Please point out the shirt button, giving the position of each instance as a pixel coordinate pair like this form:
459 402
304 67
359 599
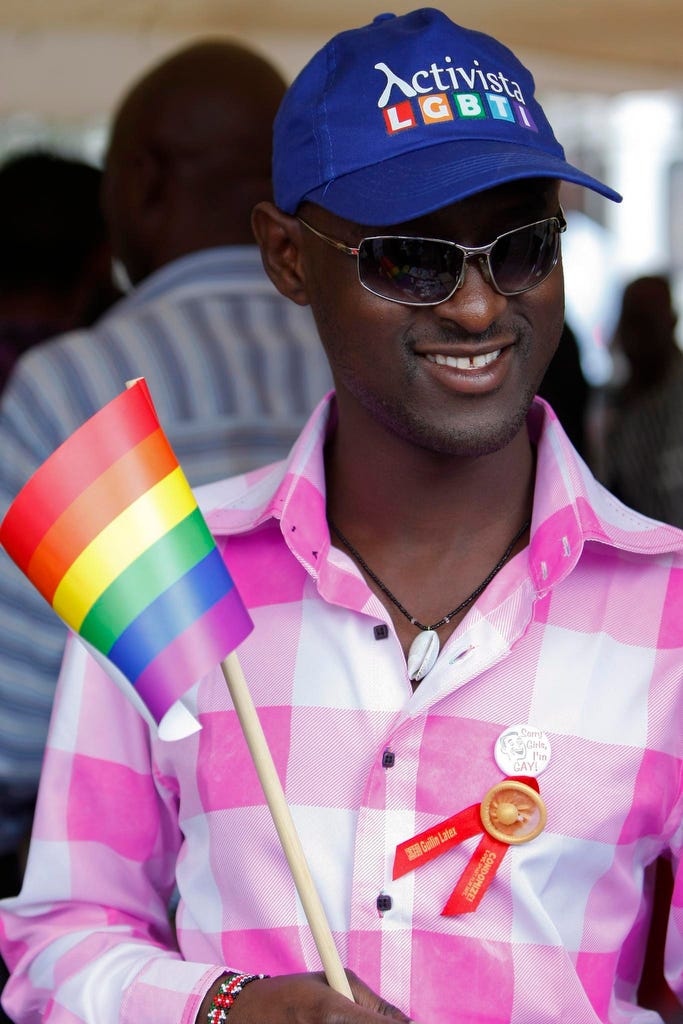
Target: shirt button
388 758
381 632
384 902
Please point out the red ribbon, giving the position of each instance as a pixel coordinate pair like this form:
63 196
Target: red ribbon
482 865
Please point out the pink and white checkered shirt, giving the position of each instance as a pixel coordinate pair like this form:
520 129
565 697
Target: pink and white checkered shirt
580 636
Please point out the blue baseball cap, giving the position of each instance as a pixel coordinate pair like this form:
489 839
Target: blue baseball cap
409 114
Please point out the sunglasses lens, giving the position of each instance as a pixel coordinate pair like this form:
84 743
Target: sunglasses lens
416 271
522 259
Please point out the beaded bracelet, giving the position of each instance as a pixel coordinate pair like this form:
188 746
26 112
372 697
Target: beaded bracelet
230 987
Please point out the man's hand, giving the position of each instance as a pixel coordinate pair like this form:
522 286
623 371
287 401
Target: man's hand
304 999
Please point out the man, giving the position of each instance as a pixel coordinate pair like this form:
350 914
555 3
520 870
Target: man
235 369
466 654
55 275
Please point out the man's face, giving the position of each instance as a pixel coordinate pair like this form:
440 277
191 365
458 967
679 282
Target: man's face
389 360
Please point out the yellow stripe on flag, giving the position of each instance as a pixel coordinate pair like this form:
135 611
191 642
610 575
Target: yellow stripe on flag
118 545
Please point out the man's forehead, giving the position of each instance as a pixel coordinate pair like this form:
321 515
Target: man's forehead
532 198
500 208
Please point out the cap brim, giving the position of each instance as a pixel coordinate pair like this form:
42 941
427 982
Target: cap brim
414 184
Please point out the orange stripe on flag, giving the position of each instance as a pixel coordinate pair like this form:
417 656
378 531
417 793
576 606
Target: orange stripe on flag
118 545
114 490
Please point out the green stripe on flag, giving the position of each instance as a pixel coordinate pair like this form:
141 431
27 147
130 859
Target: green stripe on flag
153 572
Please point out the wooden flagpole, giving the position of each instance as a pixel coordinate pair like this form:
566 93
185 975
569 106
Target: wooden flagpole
286 830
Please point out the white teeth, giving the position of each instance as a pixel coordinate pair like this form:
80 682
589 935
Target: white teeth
465 362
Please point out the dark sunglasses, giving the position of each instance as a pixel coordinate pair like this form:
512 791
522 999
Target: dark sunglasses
427 271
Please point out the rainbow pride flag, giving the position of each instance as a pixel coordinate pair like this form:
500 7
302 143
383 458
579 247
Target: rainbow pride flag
108 530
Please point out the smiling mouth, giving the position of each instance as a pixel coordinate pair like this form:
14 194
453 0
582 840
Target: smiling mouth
465 362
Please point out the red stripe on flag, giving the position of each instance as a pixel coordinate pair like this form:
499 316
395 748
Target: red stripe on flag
122 483
81 459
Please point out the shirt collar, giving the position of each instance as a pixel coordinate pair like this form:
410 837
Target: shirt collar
570 507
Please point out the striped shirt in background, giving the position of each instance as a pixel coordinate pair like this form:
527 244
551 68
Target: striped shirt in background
580 636
234 370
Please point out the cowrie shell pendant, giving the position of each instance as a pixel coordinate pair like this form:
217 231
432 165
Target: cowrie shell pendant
423 653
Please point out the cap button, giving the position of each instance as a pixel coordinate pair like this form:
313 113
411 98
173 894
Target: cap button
382 17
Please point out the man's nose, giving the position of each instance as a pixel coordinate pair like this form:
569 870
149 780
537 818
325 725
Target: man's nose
476 304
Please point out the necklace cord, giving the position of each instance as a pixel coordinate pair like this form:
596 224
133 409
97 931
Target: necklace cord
463 604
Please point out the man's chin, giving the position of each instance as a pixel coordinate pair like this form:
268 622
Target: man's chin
469 437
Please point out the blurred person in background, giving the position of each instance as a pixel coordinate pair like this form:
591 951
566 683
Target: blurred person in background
643 452
55 276
234 367
55 260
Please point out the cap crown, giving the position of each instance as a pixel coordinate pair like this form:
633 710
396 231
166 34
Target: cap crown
406 97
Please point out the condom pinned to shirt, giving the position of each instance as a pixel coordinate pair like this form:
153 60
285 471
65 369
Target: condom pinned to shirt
109 532
512 812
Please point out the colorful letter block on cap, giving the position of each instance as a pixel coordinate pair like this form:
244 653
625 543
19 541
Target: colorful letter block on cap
109 532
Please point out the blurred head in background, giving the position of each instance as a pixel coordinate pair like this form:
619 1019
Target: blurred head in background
645 335
55 259
190 155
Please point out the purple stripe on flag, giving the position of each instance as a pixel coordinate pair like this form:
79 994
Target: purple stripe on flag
194 653
170 614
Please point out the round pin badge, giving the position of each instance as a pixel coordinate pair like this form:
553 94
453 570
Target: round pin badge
522 750
513 812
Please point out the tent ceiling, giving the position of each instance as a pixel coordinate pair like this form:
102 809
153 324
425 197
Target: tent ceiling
646 35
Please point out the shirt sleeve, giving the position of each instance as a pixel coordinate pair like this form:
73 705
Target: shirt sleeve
90 937
32 635
673 958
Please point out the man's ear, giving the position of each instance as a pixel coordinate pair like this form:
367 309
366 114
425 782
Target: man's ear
279 237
